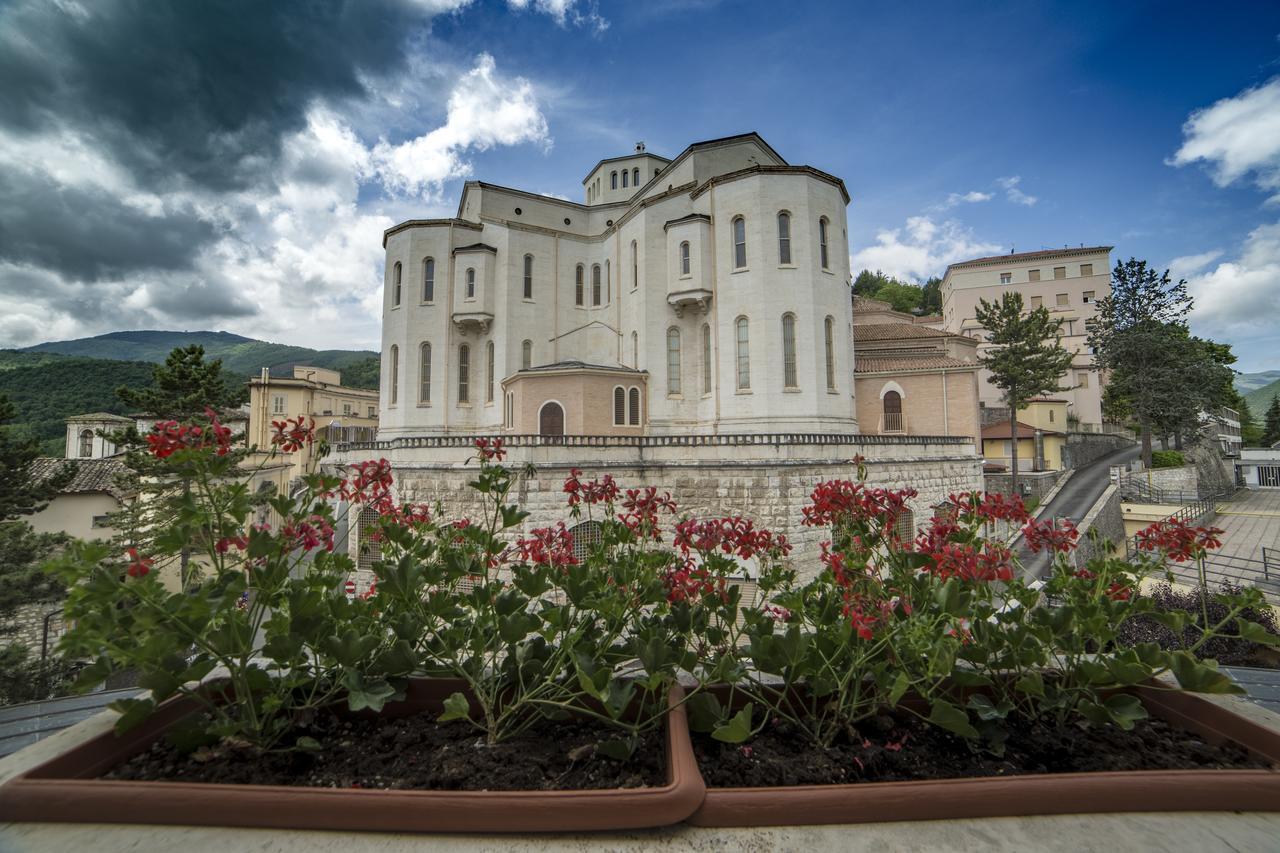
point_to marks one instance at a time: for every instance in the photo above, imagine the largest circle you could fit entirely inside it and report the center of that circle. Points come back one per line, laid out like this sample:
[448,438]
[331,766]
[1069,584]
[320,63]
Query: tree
[931,297]
[903,297]
[1271,423]
[1026,357]
[1159,372]
[184,385]
[1250,429]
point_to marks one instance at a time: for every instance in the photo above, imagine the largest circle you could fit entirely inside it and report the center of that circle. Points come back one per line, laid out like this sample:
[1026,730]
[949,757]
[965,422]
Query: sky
[232,164]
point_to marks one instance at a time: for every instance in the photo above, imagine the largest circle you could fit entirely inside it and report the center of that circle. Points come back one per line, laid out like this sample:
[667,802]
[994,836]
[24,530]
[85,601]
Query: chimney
[640,147]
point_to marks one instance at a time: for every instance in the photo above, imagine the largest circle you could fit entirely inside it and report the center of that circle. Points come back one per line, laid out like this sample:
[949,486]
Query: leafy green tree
[1250,429]
[931,297]
[867,283]
[903,297]
[1271,423]
[1026,358]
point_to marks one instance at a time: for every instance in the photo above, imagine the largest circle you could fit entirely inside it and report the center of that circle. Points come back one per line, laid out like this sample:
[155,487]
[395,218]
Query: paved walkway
[1251,522]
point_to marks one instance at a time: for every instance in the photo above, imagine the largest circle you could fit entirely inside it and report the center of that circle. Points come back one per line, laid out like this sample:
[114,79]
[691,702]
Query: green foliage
[1260,398]
[184,385]
[901,295]
[1271,423]
[1167,459]
[365,373]
[24,678]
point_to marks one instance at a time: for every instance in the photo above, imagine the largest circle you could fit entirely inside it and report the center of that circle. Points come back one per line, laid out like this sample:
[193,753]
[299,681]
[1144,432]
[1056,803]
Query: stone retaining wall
[1036,484]
[1105,522]
[1086,447]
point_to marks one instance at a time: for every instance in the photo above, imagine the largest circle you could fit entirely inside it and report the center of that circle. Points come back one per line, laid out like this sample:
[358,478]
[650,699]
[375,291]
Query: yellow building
[1041,437]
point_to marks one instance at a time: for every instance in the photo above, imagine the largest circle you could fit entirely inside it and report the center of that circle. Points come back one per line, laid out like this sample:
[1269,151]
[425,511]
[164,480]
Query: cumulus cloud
[566,12]
[1237,136]
[956,199]
[1013,193]
[1238,298]
[921,248]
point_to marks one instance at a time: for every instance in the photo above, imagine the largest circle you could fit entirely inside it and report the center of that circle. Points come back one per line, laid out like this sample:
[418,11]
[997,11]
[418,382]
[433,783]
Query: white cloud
[920,249]
[566,11]
[1237,136]
[1241,297]
[956,199]
[484,110]
[1013,193]
[1189,265]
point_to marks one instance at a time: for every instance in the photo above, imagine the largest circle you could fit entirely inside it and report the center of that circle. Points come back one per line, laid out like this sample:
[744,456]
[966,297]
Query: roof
[100,416]
[91,475]
[692,217]
[573,364]
[894,331]
[1046,400]
[475,247]
[427,223]
[1015,257]
[909,363]
[1000,429]
[630,156]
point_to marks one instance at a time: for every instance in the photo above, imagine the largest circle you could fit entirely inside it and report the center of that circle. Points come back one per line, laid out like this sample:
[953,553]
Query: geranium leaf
[948,716]
[456,707]
[737,729]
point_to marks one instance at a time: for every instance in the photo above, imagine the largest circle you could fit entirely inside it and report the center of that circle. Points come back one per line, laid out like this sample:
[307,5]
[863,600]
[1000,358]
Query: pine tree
[1271,423]
[1026,358]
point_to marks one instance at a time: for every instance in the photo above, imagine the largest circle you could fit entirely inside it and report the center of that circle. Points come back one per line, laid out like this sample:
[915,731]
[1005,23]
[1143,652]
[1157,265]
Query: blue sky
[960,129]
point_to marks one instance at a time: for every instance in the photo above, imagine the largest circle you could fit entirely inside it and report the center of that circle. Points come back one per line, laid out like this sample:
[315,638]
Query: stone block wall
[1086,447]
[1185,480]
[1037,483]
[1105,523]
[26,627]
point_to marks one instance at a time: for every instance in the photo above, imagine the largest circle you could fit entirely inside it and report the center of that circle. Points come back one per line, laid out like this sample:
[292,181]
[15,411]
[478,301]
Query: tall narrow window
[528,276]
[634,396]
[396,274]
[635,265]
[706,358]
[464,374]
[619,406]
[784,238]
[673,360]
[595,284]
[429,280]
[828,336]
[635,350]
[893,420]
[744,355]
[424,375]
[608,282]
[625,176]
[635,177]
[789,378]
[613,180]
[739,243]
[488,373]
[86,443]
[684,258]
[822,244]
[578,286]
[526,355]
[395,373]
[471,282]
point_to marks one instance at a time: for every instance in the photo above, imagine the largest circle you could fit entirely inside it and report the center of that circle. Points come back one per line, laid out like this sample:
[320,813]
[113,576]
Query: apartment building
[341,414]
[1067,281]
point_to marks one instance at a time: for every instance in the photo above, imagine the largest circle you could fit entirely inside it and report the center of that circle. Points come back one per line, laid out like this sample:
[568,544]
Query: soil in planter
[899,747]
[416,753]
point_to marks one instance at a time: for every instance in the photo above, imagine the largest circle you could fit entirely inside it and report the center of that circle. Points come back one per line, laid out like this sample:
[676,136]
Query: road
[1073,501]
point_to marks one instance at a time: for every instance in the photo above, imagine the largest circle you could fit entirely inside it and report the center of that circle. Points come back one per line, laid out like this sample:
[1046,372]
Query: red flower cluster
[293,434]
[547,546]
[226,543]
[642,507]
[371,483]
[168,437]
[1059,537]
[844,502]
[604,490]
[957,560]
[138,566]
[990,506]
[490,449]
[861,615]
[1178,541]
[1116,591]
[309,533]
[732,535]
[688,580]
[407,515]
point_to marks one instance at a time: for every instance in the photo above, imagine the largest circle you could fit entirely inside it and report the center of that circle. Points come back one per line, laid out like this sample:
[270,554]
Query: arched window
[608,282]
[428,279]
[635,265]
[395,374]
[739,243]
[471,283]
[488,392]
[893,421]
[86,443]
[706,358]
[526,355]
[551,419]
[744,355]
[528,276]
[635,350]
[673,360]
[464,374]
[619,406]
[828,335]
[635,177]
[625,176]
[784,237]
[789,378]
[578,285]
[396,274]
[595,284]
[684,258]
[634,395]
[822,243]
[613,181]
[424,374]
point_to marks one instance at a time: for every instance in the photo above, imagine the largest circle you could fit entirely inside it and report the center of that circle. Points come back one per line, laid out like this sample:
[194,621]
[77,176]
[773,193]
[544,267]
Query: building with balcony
[1068,282]
[341,414]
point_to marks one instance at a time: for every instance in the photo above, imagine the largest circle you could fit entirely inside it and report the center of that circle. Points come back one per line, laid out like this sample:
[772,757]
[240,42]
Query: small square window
[1087,297]
[1062,300]
[1006,277]
[1033,275]
[1059,272]
[277,404]
[1082,380]
[346,408]
[100,521]
[1037,301]
[1086,269]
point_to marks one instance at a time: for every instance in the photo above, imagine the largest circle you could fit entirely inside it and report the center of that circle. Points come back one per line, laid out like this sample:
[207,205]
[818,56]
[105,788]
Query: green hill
[47,388]
[1260,399]
[241,355]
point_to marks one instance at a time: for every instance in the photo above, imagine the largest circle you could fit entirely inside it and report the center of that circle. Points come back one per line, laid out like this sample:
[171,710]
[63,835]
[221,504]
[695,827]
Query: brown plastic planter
[66,790]
[1013,796]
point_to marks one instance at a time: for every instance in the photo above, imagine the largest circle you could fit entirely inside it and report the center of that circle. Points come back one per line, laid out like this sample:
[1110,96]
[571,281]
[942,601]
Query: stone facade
[26,627]
[1105,523]
[1034,484]
[1086,447]
[766,478]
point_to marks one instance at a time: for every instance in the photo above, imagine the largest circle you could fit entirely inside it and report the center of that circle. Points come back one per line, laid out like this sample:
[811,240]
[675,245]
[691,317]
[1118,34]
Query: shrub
[1194,604]
[1167,459]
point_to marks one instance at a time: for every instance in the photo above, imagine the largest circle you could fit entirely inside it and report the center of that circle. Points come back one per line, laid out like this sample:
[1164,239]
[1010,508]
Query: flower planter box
[1034,794]
[66,790]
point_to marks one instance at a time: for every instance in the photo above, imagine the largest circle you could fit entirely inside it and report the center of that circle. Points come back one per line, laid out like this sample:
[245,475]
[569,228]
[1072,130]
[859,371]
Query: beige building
[1041,438]
[573,398]
[83,506]
[909,378]
[341,414]
[1066,281]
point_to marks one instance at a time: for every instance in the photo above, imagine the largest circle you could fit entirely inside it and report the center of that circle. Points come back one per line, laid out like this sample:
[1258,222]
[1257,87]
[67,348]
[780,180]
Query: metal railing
[891,422]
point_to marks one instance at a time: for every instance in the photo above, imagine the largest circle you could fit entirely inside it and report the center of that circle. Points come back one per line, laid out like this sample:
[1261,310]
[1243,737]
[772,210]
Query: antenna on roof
[1012,249]
[640,147]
